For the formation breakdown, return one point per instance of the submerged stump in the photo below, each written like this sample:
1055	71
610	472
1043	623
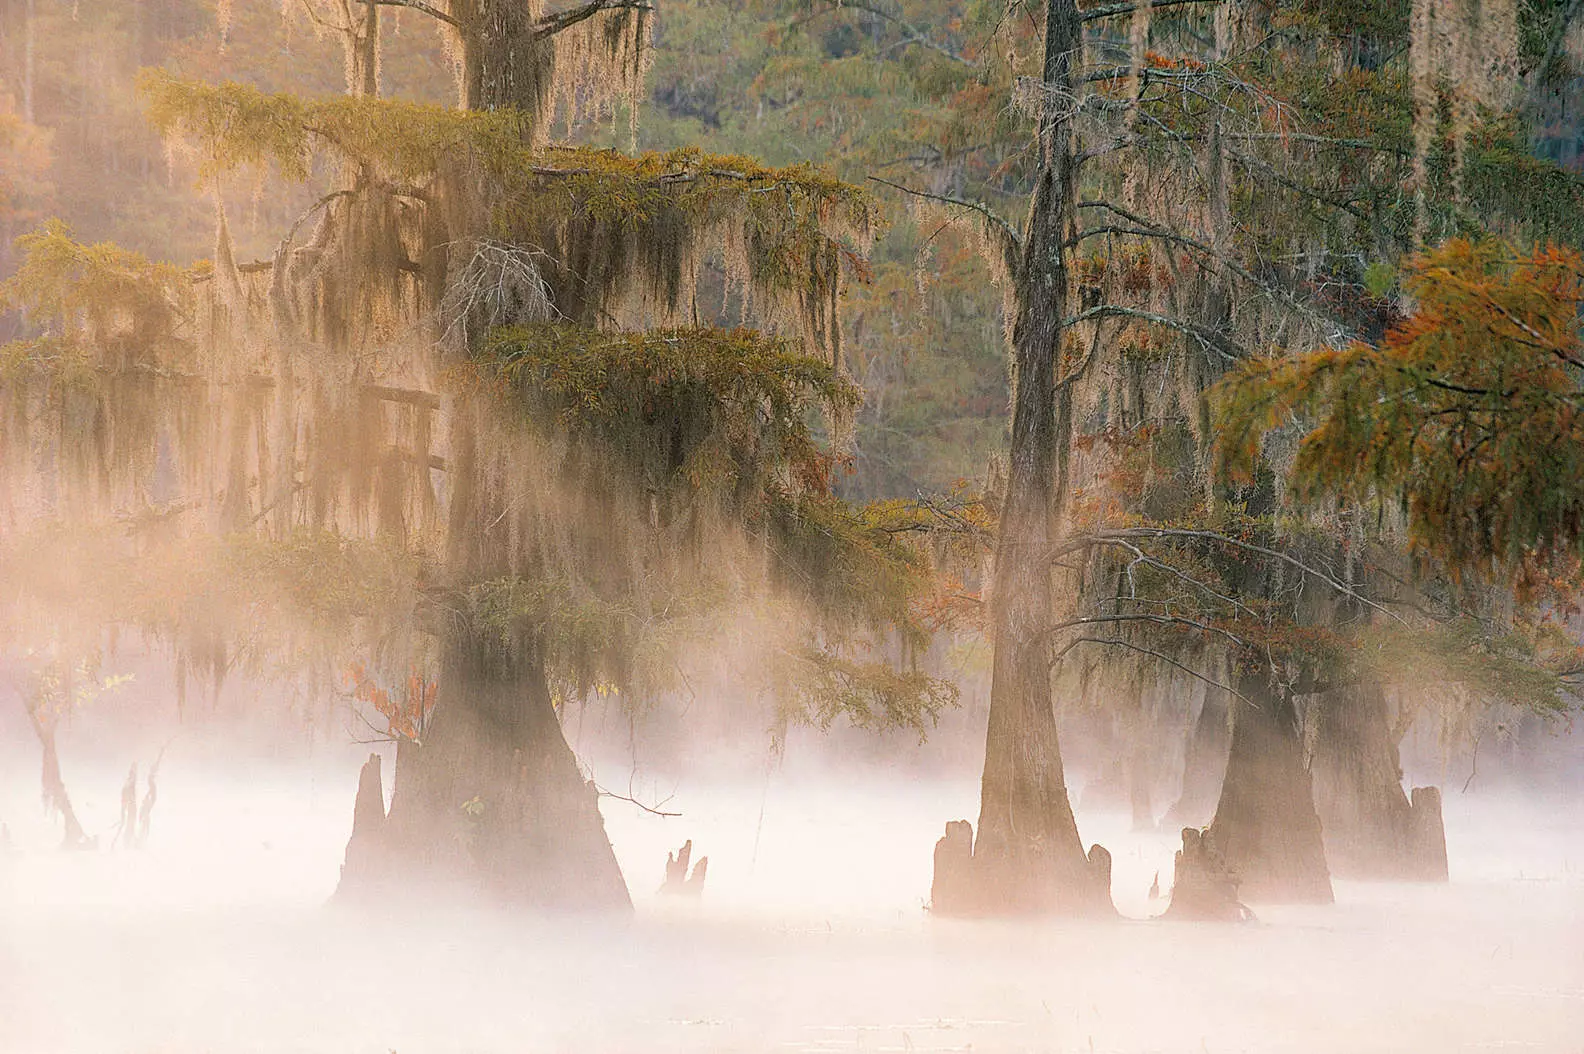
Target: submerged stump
365	850
678	882
1204	889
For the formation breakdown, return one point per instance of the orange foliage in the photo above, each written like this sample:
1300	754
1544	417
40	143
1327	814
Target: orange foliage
406	716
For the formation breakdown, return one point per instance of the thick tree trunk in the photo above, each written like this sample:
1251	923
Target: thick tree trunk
1265	825
1205	763
490	801
1372	830
1028	857
504	62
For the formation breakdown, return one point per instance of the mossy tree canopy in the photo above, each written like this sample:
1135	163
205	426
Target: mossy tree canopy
614	238
1252	181
442	366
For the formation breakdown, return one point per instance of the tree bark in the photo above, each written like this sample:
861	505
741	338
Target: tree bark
504	62
1028	857
1203	888
1205	763
1372	830
491	799
1265	825
363	72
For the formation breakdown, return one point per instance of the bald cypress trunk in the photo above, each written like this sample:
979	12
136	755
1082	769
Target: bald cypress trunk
490	801
1371	827
1205	763
1027	857
504	62
1265	826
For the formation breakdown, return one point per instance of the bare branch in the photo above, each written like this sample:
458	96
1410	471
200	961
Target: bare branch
911	33
1236	543
1094	14
603	793
550	25
1013	241
420	6
1147	228
1167	659
1158	620
1210	340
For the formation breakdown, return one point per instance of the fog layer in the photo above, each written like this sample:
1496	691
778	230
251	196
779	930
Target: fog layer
811	936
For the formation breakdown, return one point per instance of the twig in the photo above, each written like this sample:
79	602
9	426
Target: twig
603	793
1147	651
1006	228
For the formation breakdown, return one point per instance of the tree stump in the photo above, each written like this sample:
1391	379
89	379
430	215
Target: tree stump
951	891
1204	889
1428	837
1099	859
678	883
365	848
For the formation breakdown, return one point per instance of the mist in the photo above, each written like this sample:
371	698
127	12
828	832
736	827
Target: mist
693	525
811	934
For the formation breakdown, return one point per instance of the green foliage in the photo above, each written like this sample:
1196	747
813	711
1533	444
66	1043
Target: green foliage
875	695
691	449
1469	412
714	412
235	125
1472	656
99	295
1379	278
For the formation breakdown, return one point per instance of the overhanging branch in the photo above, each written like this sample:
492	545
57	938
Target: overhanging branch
550	25
420	6
1167	659
1094	14
1014	241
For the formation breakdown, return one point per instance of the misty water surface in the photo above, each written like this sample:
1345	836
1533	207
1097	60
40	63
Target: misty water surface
811	937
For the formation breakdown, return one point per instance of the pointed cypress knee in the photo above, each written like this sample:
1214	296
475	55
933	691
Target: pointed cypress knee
359	874
1429	835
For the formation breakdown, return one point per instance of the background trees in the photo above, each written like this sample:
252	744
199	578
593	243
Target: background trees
1242	182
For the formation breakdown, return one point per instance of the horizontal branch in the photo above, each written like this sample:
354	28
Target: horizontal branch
979	207
410	396
603	793
550	25
1147	228
1159	620
1167	659
1094	14
1236	543
1210	340
420	6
